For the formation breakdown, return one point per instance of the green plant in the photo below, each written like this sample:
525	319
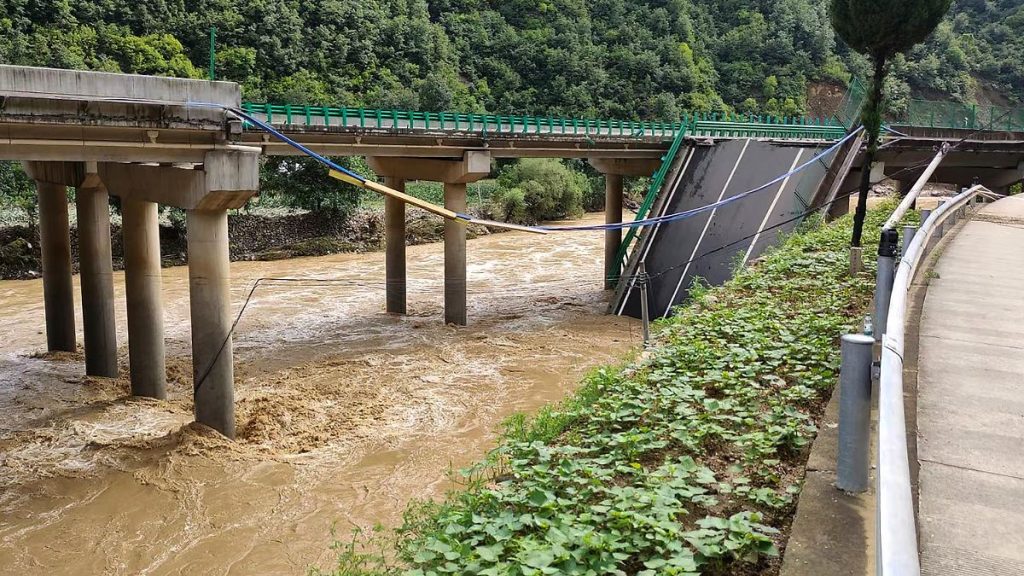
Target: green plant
509	205
303	183
19	192
548	188
685	461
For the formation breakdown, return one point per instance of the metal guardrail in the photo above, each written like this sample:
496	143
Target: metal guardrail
896	529
698	124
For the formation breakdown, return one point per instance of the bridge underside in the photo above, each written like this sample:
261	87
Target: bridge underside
995	164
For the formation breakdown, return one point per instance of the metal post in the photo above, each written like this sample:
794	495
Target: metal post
887	250
925	215
908	236
644	311
854	413
213	52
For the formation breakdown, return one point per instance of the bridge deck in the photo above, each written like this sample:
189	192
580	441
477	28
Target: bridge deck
971	401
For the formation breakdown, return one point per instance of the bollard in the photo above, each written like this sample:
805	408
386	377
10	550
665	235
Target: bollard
644	310
887	250
908	237
854	413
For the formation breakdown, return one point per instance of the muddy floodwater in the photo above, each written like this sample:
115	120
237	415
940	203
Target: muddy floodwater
344	413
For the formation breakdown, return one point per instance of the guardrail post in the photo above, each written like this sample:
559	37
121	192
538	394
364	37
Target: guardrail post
925	215
908	236
887	250
854	413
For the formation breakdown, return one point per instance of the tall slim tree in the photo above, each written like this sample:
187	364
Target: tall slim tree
881	29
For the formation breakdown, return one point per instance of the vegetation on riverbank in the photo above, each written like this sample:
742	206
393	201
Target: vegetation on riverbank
685	461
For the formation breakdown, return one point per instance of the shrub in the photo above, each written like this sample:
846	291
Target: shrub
509	205
549	190
593	195
303	183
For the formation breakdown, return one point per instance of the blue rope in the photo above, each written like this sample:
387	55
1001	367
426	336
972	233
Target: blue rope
271	130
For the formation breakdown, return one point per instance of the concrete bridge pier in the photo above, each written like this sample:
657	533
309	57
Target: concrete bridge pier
96	276
142	277
227	179
55	247
209	278
455	174
613	193
615	170
394	246
455	256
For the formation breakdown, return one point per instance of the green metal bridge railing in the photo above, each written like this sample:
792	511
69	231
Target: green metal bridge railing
698	124
657	182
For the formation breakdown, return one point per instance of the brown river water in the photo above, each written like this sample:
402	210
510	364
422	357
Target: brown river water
344	413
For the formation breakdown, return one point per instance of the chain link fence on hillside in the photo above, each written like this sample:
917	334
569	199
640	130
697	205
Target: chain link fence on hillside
934	114
958	115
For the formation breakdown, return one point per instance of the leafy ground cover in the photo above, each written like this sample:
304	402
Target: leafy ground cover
685	461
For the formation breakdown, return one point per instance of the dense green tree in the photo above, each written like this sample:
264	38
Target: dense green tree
303	183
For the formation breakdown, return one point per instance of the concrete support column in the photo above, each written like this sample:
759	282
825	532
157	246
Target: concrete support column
394	239
209	295
55	246
142	278
97	279
455	257
612	238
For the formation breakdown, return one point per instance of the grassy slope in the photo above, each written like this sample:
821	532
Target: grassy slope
686	461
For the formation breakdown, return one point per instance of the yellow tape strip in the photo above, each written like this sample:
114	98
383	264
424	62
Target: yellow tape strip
346	178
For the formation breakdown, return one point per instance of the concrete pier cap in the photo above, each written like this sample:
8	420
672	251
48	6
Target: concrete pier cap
634	167
227	179
614	170
473	166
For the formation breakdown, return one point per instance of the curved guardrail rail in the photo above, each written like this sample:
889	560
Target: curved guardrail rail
709	125
896	529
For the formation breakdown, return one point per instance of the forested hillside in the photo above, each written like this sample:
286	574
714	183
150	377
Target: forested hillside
622	58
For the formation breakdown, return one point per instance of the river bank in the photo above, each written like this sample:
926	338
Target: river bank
687	460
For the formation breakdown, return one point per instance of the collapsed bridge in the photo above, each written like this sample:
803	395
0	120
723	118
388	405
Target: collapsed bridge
185	143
